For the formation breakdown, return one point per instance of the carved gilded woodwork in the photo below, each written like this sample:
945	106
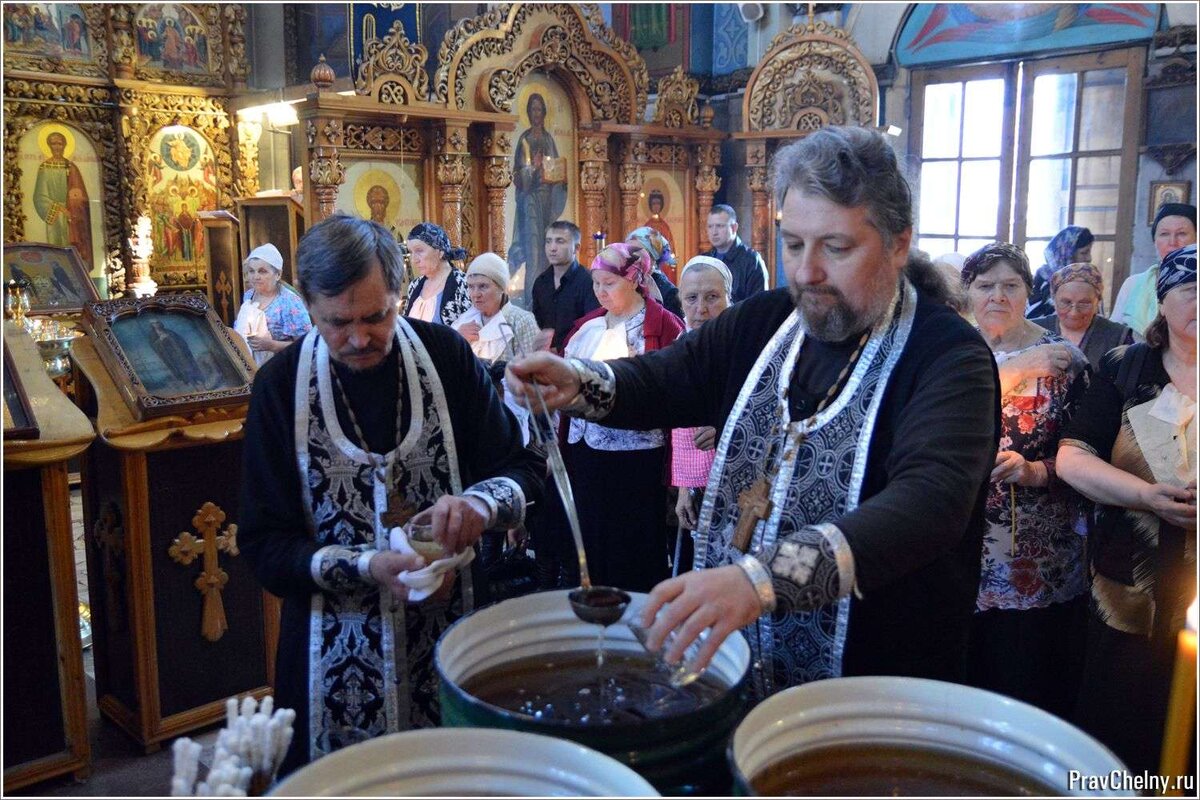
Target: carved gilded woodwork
813	75
497	177
211	582
757	179
90	109
667	155
483	60
593	185
677	104
325	175
248	134
393	69
629	183
451	172
379	138
237	64
123	50
708	181
94	65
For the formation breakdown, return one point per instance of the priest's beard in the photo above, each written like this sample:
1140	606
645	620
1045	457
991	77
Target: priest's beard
828	315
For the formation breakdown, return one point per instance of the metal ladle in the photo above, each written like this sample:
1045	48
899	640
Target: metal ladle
595	605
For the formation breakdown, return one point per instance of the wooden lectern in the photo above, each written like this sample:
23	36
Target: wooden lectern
179	622
45	697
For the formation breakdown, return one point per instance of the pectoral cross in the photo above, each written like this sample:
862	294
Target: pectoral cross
755	504
399	511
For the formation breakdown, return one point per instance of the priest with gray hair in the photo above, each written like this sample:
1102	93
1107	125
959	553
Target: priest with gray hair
857	415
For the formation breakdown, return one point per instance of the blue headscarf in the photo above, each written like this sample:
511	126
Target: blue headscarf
655	244
1177	268
1059	253
435	236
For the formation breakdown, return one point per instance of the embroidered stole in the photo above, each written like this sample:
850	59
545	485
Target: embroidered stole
819	481
370	660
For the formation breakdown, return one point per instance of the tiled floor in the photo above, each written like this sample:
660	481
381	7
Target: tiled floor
119	767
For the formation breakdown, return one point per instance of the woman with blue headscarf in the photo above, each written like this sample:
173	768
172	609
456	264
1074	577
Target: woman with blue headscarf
1071	245
1131	448
440	294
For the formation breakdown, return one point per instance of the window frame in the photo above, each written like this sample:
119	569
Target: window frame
921	79
1015	159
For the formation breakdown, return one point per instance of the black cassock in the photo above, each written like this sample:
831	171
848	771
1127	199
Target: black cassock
351	666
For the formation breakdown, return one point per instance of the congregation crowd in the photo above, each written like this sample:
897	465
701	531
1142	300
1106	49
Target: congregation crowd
1082	533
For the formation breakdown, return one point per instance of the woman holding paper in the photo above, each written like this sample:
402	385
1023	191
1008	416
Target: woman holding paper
1132	449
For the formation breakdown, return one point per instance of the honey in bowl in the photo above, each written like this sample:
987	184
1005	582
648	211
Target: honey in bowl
893	770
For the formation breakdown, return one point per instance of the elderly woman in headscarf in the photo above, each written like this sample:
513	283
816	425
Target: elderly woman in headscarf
1071	245
497	330
272	315
440	294
705	286
659	249
618	475
1132	450
1077	291
1026	634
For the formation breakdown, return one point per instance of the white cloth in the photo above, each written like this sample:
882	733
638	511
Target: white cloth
595	340
1165	430
423	582
493	337
252	321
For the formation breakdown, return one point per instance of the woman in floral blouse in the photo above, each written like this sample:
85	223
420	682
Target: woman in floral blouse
1025	640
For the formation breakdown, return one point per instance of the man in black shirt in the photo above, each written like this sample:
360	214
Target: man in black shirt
563	293
746	265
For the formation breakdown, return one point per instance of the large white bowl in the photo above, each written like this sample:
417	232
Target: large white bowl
926	713
465	762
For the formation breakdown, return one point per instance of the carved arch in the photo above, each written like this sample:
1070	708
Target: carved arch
482	61
393	69
813	75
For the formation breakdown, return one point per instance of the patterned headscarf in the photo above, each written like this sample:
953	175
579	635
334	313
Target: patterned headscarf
631	266
435	236
1078	272
982	260
655	244
1061	250
1178	267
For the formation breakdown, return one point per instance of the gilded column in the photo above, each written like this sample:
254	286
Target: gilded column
497	177
235	27
708	158
451	175
122	50
248	133
629	179
756	174
323	136
593	184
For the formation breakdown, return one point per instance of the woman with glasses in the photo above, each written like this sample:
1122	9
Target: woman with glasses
1029	614
1071	245
618	475
1077	290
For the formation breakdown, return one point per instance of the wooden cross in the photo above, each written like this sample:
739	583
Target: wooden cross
755	504
109	536
212	580
399	511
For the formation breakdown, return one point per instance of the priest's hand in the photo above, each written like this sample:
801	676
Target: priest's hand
458	522
722	599
385	565
558	380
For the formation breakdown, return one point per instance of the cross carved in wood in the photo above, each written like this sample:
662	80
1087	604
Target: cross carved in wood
755	504
210	543
109	536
